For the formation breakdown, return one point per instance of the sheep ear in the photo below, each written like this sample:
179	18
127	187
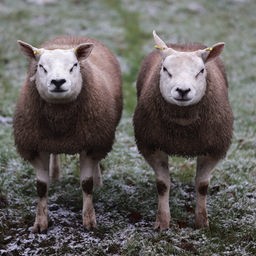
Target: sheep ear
30	51
161	46
82	51
211	53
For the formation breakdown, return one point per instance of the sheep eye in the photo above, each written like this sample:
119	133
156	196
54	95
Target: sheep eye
165	70
75	65
201	72
42	67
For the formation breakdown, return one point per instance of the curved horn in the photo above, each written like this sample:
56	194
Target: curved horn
161	46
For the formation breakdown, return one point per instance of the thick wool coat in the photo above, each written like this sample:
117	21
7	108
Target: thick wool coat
202	129
86	124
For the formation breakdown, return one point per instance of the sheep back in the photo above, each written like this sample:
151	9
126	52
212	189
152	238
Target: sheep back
201	129
87	123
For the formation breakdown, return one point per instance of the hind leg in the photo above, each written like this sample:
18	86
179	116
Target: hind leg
88	166
97	179
54	167
205	165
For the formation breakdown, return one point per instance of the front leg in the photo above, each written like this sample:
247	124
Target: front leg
159	162
88	167
205	165
41	165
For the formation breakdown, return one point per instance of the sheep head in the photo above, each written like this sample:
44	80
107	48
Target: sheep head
58	78
183	74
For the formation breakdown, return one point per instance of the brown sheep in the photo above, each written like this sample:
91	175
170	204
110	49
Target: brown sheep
183	109
71	103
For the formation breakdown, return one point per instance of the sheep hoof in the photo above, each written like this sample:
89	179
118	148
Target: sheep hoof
90	224
201	221
162	222
201	225
40	228
89	220
161	226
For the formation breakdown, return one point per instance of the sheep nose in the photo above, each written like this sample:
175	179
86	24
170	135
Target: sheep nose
183	92
58	82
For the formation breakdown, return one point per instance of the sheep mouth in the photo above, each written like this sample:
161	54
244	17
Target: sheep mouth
182	99
58	90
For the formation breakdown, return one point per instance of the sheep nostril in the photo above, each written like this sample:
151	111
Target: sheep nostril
58	82
183	92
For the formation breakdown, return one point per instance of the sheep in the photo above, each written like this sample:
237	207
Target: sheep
183	110
71	103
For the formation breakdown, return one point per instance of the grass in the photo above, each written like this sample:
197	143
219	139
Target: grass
126	204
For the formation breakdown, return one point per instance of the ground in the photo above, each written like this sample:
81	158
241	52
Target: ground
126	204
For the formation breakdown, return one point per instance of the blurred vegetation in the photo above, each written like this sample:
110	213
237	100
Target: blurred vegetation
126	205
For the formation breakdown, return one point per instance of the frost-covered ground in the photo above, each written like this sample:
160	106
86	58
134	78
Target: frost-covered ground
126	204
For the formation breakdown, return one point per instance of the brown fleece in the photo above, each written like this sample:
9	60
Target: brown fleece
202	129
86	124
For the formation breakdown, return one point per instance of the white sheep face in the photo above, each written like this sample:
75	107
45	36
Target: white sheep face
183	74
58	78
183	78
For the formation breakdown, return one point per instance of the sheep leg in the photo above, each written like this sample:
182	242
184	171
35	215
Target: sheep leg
54	167
97	179
87	168
205	165
41	165
159	162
